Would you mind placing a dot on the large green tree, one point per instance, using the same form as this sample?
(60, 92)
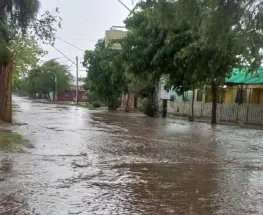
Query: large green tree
(27, 54)
(139, 47)
(42, 79)
(106, 77)
(17, 19)
(227, 34)
(17, 16)
(150, 50)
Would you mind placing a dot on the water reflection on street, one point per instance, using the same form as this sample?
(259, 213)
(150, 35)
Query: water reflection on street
(91, 162)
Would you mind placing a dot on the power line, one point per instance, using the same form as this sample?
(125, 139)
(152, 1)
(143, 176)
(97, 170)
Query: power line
(70, 44)
(70, 65)
(65, 61)
(84, 39)
(64, 55)
(55, 58)
(125, 5)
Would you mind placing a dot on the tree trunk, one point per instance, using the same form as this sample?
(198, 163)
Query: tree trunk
(135, 102)
(112, 104)
(214, 102)
(127, 104)
(6, 92)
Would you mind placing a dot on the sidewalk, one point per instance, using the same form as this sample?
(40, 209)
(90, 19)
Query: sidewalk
(51, 102)
(220, 122)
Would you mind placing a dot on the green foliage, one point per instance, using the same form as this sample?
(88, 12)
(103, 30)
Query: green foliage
(149, 107)
(42, 79)
(27, 54)
(151, 51)
(96, 104)
(200, 41)
(19, 13)
(13, 142)
(105, 75)
(93, 99)
(19, 17)
(64, 77)
(141, 44)
(228, 26)
(4, 53)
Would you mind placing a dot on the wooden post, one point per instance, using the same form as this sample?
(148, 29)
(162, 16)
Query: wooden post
(214, 89)
(165, 101)
(249, 96)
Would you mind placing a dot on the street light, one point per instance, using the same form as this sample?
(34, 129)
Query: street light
(56, 87)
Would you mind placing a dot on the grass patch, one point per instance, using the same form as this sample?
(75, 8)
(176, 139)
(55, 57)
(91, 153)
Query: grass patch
(13, 142)
(87, 105)
(2, 124)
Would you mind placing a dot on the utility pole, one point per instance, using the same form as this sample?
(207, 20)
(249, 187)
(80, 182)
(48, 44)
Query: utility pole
(77, 76)
(55, 94)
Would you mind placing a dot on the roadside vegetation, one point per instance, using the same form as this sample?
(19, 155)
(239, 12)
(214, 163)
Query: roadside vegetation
(191, 43)
(22, 27)
(45, 78)
(12, 142)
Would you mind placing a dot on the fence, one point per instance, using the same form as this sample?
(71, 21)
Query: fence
(248, 113)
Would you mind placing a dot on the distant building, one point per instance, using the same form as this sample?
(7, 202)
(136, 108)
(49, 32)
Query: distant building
(116, 32)
(70, 95)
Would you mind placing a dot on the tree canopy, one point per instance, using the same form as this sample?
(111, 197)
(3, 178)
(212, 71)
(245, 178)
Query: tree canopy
(27, 54)
(42, 79)
(192, 43)
(105, 75)
(20, 17)
(202, 40)
(20, 25)
(19, 21)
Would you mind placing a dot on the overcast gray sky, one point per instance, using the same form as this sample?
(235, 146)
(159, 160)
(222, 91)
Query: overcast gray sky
(83, 23)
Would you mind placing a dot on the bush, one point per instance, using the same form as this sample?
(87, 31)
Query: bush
(113, 103)
(150, 108)
(93, 99)
(96, 104)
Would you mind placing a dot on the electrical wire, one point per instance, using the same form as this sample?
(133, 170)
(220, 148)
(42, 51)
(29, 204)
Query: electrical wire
(70, 65)
(66, 61)
(81, 39)
(124, 5)
(70, 44)
(64, 55)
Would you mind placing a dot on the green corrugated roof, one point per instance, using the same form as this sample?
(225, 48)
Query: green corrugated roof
(244, 77)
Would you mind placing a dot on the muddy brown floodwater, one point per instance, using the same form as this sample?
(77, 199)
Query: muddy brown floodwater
(88, 162)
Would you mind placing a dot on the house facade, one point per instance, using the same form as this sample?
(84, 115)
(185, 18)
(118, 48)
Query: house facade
(242, 87)
(70, 94)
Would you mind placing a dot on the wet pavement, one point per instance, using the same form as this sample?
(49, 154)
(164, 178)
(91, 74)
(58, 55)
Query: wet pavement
(90, 162)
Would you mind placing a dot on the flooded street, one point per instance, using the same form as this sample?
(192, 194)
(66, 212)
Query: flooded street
(91, 162)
